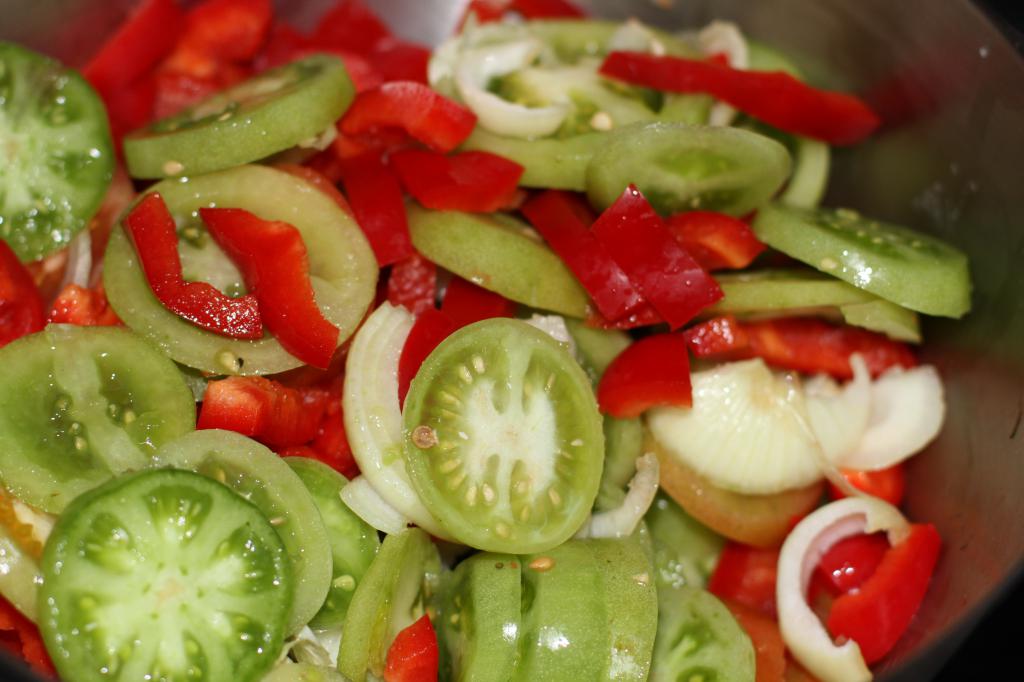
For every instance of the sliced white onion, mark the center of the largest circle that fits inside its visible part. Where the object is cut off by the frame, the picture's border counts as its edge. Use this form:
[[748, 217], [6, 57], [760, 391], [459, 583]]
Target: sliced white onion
[[365, 502], [308, 648], [839, 415], [622, 521], [373, 417], [633, 36], [724, 37], [802, 630], [907, 411], [40, 522], [474, 71], [78, 269], [554, 326]]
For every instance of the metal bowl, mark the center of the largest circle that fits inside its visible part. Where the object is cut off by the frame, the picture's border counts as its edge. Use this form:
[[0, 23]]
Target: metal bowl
[[951, 90]]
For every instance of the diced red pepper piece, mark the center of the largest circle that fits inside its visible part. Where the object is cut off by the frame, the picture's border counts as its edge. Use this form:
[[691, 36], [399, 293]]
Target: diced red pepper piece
[[413, 656], [877, 614], [718, 336], [282, 45], [397, 60], [548, 9], [428, 116], [431, 328], [230, 31], [668, 277], [131, 107], [83, 307], [651, 372], [850, 562], [376, 200], [413, 284], [318, 180], [642, 316], [776, 98], [152, 230], [717, 241], [263, 409], [564, 220], [465, 303], [746, 575], [350, 25], [485, 11], [21, 637], [178, 91], [331, 442], [21, 306], [887, 484], [476, 182], [769, 648], [275, 265]]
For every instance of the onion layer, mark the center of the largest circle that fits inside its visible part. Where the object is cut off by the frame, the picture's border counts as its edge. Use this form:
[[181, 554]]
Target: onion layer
[[622, 521]]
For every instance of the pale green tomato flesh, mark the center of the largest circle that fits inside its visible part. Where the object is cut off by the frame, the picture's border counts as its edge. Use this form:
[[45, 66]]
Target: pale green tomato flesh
[[685, 550]]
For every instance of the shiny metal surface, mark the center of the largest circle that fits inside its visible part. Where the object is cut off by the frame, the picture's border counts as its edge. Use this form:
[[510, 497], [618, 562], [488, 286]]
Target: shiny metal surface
[[951, 89]]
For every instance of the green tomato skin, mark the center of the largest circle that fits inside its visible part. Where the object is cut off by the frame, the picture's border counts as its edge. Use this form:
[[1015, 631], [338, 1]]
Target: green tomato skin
[[685, 550], [596, 347], [549, 163]]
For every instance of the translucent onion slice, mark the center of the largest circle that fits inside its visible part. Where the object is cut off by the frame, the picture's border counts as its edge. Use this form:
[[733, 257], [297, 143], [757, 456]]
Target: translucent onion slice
[[555, 327], [745, 432], [802, 630], [633, 36], [838, 415], [907, 411], [724, 37], [365, 502], [78, 269], [622, 521], [373, 417]]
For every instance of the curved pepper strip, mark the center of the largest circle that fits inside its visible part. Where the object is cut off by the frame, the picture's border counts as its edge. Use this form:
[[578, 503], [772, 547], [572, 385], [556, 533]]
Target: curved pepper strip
[[716, 240], [475, 182], [653, 371], [263, 409], [21, 306]]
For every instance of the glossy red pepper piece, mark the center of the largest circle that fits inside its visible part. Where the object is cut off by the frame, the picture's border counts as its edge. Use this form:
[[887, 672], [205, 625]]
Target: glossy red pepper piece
[[877, 614], [21, 306], [221, 31], [718, 336], [350, 25], [746, 575], [850, 562], [642, 316], [476, 182], [177, 91], [717, 241], [413, 656], [651, 372], [265, 410], [83, 307], [465, 303], [887, 484], [548, 9], [152, 230], [775, 97], [564, 220], [397, 60], [376, 199], [274, 263], [21, 637], [413, 284], [431, 328], [668, 277], [426, 115]]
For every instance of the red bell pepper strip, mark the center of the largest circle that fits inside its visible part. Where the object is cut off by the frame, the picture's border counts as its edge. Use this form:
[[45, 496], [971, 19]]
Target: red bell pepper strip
[[376, 200], [548, 9], [718, 336], [717, 241], [222, 31], [331, 442], [350, 25], [265, 410], [21, 637], [413, 284], [465, 303], [668, 277], [876, 615], [850, 562], [431, 118], [476, 182], [131, 107], [642, 316], [152, 230], [769, 649], [651, 372], [318, 180], [274, 263], [564, 220], [83, 307], [776, 98], [21, 306], [397, 60], [431, 328], [413, 656], [746, 575], [887, 484]]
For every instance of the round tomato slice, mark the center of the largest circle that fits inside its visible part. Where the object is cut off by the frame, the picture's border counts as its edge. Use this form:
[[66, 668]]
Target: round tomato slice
[[503, 440], [81, 404], [164, 575], [342, 268]]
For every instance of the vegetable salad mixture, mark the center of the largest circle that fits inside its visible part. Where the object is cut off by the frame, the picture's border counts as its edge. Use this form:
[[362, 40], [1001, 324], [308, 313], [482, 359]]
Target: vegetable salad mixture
[[532, 357]]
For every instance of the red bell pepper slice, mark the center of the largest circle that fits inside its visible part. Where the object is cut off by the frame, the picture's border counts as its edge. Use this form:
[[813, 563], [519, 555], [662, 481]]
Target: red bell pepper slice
[[564, 220], [413, 284], [153, 232], [465, 303], [83, 307], [231, 31], [263, 409], [376, 200], [21, 306], [746, 575], [651, 372], [548, 9], [717, 241], [431, 328], [476, 182], [668, 277], [397, 60], [769, 648], [429, 117], [318, 180], [275, 265], [718, 336], [642, 316], [413, 656], [350, 25], [876, 615], [178, 91], [776, 98], [330, 445], [850, 562], [888, 484], [21, 637]]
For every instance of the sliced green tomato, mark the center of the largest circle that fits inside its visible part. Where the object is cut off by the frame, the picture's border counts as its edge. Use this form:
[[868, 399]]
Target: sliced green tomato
[[681, 168], [503, 439], [596, 347], [549, 163], [268, 113], [499, 253], [480, 618], [302, 672], [56, 157], [623, 443], [20, 576], [691, 109], [885, 317], [811, 161], [81, 404], [164, 575], [698, 639], [342, 267], [393, 594], [353, 542], [910, 268], [573, 39], [260, 476], [685, 550]]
